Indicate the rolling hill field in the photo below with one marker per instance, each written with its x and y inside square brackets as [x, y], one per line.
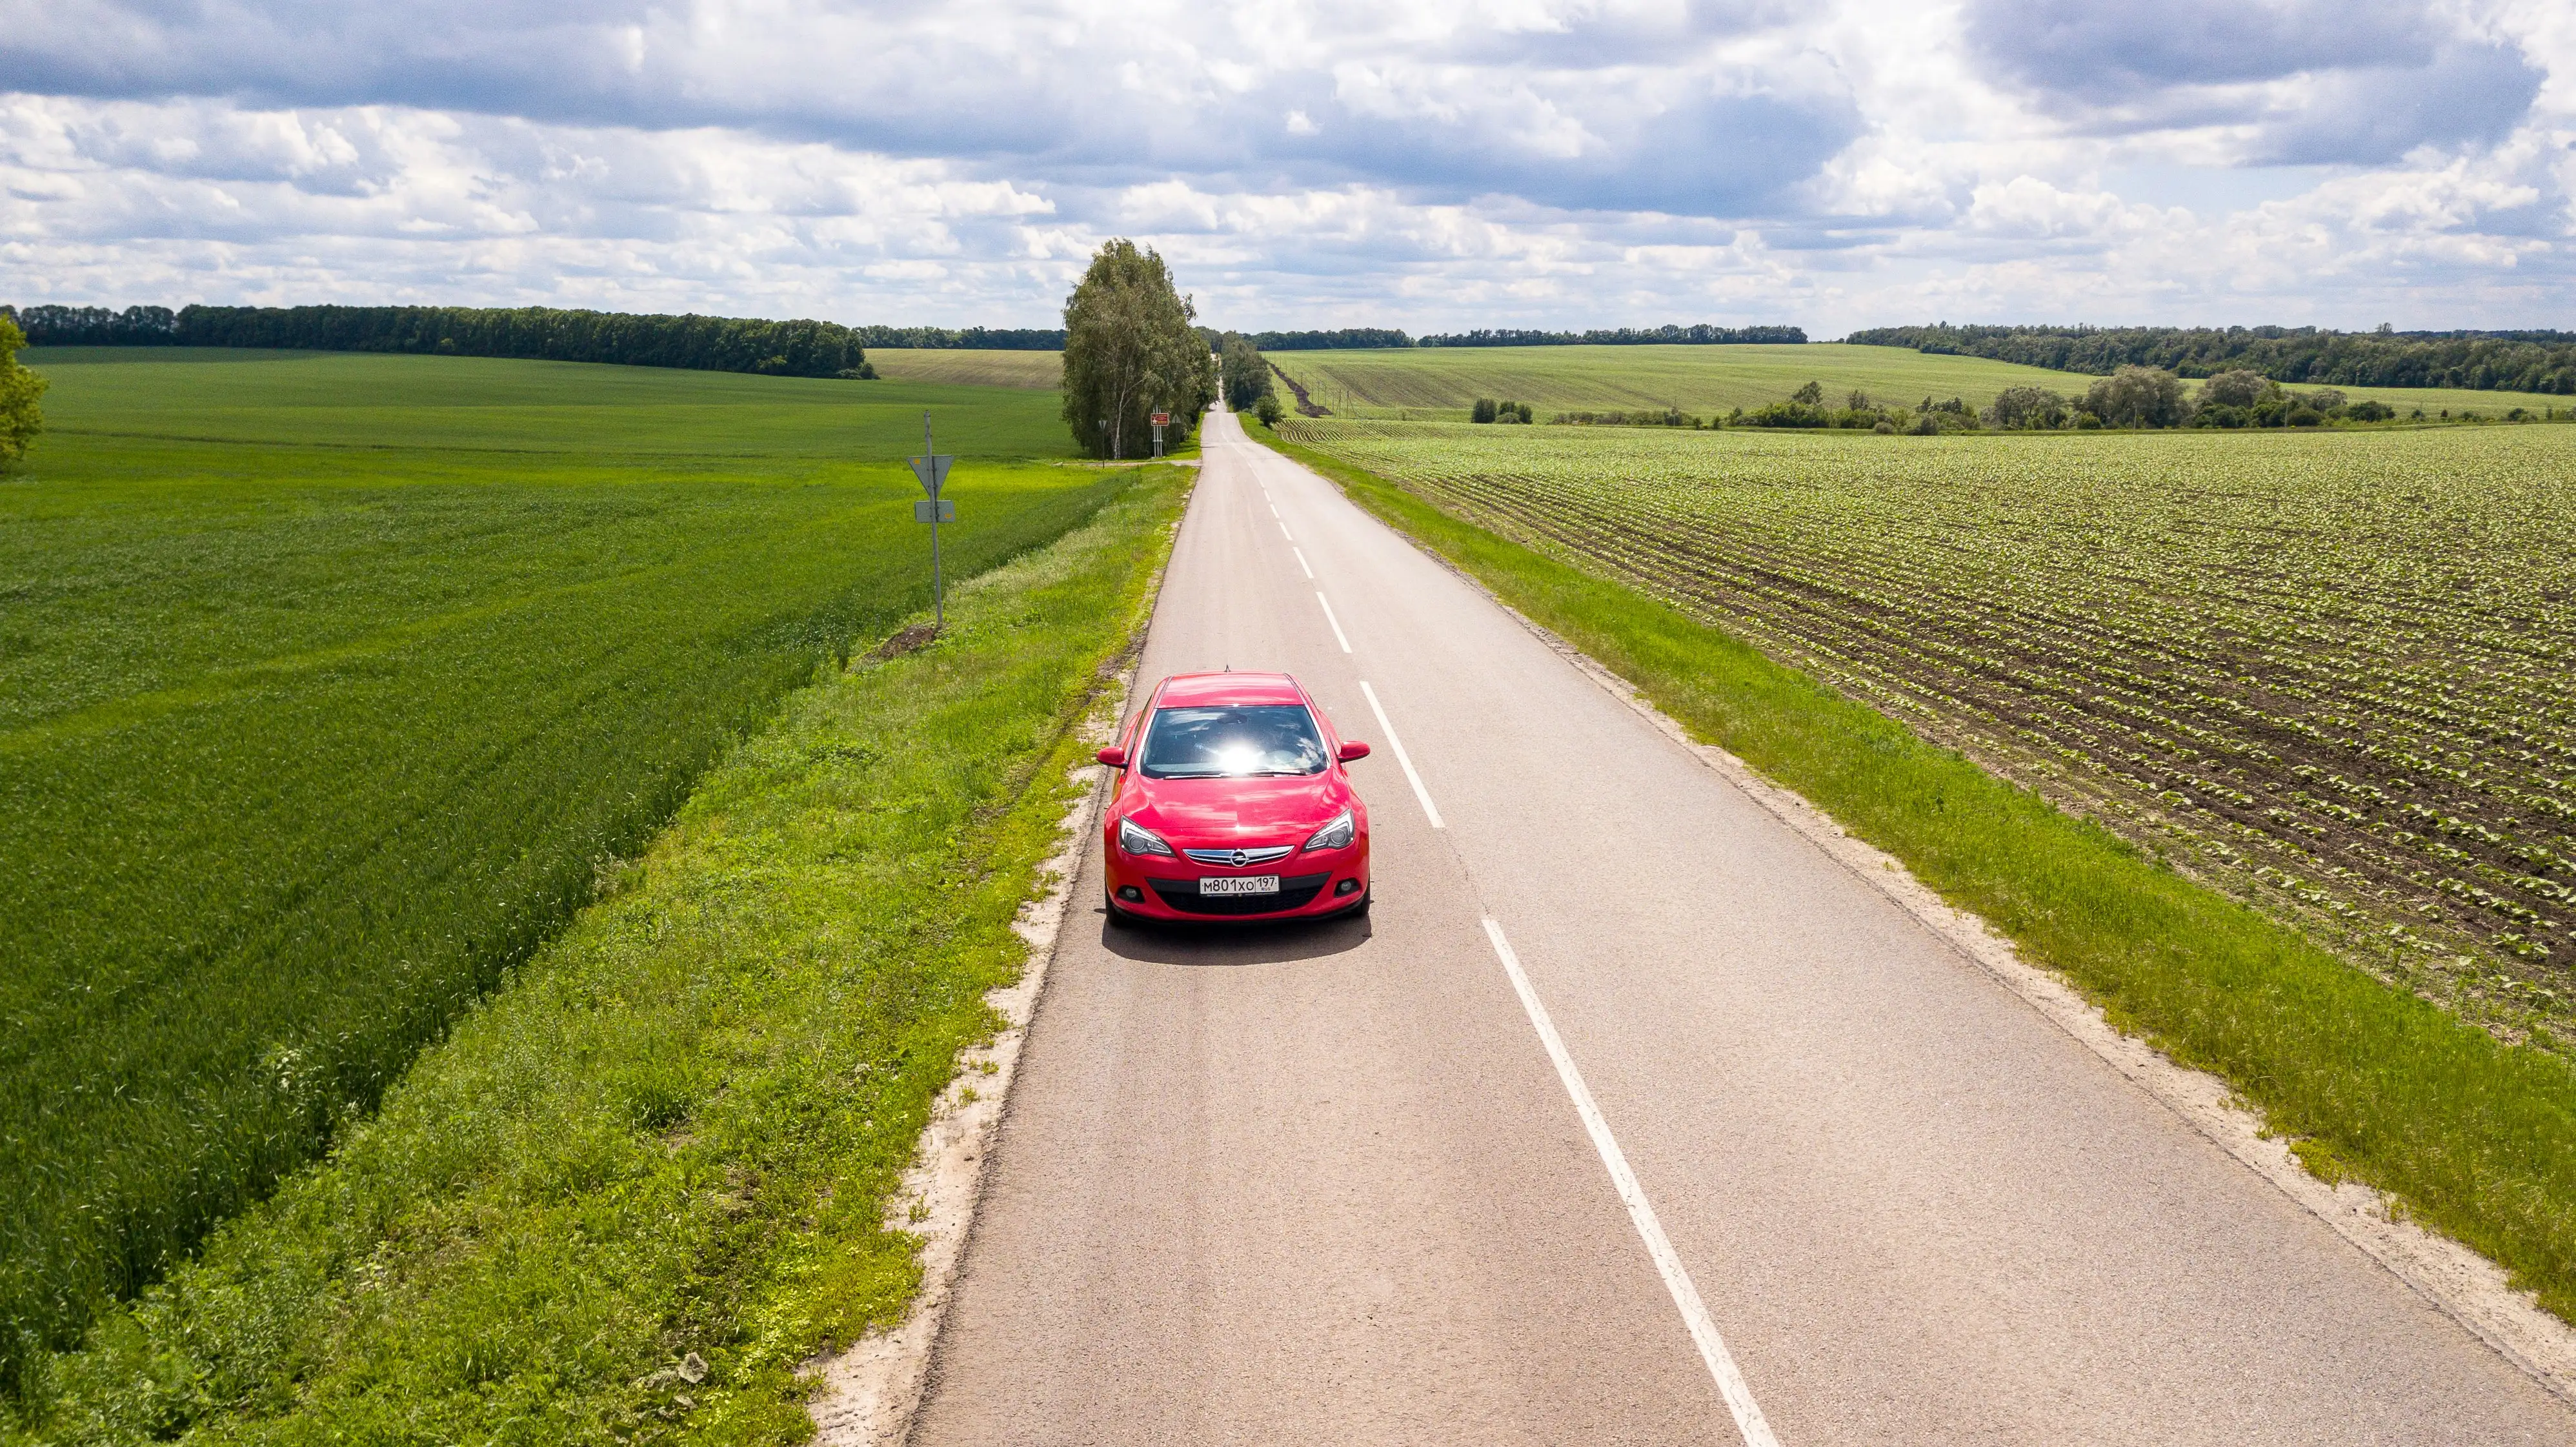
[1035, 371]
[380, 400]
[1441, 383]
[330, 684]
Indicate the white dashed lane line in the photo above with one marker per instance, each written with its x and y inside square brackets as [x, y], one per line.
[1641, 1213]
[1338, 635]
[1703, 1331]
[1404, 760]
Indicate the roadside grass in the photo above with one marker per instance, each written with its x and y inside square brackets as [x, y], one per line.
[637, 1186]
[2472, 1137]
[1442, 383]
[305, 738]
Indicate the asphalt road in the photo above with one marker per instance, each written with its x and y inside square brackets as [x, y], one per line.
[1328, 1184]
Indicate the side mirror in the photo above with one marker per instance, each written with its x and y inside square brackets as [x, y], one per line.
[1114, 758]
[1353, 749]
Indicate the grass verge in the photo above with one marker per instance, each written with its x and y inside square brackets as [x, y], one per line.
[2474, 1138]
[635, 1188]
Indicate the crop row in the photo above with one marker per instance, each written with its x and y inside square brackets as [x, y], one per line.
[2333, 671]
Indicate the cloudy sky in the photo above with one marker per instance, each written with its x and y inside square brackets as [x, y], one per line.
[1421, 164]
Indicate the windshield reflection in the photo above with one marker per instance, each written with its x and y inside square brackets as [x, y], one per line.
[1235, 741]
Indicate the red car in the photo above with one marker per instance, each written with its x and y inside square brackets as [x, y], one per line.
[1232, 801]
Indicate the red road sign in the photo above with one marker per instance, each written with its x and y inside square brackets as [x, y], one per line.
[1162, 419]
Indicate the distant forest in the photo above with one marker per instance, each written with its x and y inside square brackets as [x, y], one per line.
[715, 344]
[969, 339]
[2526, 361]
[1351, 338]
[696, 343]
[1347, 339]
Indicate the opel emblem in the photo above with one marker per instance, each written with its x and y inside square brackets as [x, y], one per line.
[1241, 859]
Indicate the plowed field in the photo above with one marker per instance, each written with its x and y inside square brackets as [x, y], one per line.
[2331, 672]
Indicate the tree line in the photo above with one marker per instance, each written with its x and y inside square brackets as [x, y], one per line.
[95, 326]
[1243, 375]
[159, 326]
[692, 342]
[1354, 338]
[2526, 361]
[1347, 339]
[968, 339]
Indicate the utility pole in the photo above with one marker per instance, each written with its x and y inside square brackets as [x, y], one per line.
[932, 469]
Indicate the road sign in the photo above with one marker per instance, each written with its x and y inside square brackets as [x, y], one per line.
[932, 470]
[1162, 419]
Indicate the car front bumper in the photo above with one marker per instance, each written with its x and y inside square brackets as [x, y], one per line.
[1310, 887]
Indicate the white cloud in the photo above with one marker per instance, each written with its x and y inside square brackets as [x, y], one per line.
[1304, 162]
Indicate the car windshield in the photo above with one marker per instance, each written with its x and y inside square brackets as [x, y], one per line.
[1232, 742]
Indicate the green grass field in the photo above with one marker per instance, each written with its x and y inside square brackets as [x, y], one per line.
[1441, 383]
[677, 1132]
[357, 399]
[1843, 560]
[306, 736]
[1036, 371]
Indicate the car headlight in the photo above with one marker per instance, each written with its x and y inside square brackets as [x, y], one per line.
[1136, 839]
[1334, 835]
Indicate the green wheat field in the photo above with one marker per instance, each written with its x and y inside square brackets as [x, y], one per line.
[1442, 383]
[330, 685]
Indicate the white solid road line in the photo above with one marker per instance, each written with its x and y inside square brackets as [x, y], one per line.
[1338, 635]
[1401, 757]
[1712, 1349]
[1301, 562]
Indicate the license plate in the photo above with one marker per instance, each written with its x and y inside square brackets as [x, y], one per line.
[1241, 884]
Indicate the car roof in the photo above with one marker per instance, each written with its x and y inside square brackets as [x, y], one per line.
[1202, 689]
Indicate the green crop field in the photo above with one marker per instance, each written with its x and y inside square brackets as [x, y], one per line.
[1036, 371]
[2336, 672]
[452, 403]
[328, 685]
[1700, 380]
[1431, 382]
[674, 1135]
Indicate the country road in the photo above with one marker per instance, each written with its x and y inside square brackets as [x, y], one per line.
[1333, 1184]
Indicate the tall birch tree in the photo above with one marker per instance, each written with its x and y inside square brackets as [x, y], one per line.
[1130, 350]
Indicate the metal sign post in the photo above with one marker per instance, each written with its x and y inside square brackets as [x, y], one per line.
[932, 469]
[1161, 421]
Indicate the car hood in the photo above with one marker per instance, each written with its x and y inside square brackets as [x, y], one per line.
[1238, 811]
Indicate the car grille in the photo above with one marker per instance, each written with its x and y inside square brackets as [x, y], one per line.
[1295, 892]
[1241, 858]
